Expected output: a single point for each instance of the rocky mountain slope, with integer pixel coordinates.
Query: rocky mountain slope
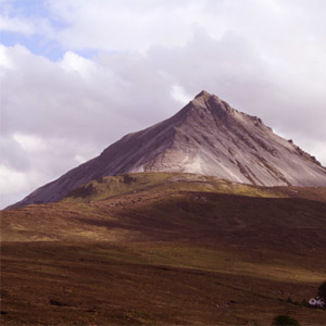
(206, 137)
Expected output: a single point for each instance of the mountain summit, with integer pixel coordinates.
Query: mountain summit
(206, 137)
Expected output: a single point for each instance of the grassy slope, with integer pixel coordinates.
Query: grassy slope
(165, 249)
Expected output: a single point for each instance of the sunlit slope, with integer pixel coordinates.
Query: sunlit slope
(158, 206)
(131, 183)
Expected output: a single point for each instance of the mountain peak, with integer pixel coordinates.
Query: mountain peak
(210, 103)
(203, 94)
(206, 137)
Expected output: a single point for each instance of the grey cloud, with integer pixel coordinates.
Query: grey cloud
(234, 69)
(13, 155)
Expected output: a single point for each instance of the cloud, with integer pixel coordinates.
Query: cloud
(124, 25)
(16, 25)
(148, 58)
(57, 114)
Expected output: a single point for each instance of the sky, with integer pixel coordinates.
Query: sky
(77, 75)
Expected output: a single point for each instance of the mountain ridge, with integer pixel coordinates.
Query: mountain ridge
(206, 137)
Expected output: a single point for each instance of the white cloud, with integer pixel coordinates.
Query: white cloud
(179, 94)
(15, 184)
(16, 25)
(73, 62)
(10, 180)
(125, 25)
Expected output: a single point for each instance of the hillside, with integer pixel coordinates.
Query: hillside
(206, 137)
(165, 248)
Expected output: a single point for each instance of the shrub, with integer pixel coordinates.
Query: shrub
(285, 320)
(322, 291)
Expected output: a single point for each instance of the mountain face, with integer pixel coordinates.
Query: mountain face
(206, 137)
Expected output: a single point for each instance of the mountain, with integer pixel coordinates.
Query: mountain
(206, 137)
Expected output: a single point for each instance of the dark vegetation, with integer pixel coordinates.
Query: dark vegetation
(285, 320)
(83, 192)
(162, 249)
(322, 291)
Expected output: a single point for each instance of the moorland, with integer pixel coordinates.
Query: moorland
(165, 248)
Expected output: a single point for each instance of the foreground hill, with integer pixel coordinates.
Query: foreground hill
(165, 248)
(158, 198)
(206, 137)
